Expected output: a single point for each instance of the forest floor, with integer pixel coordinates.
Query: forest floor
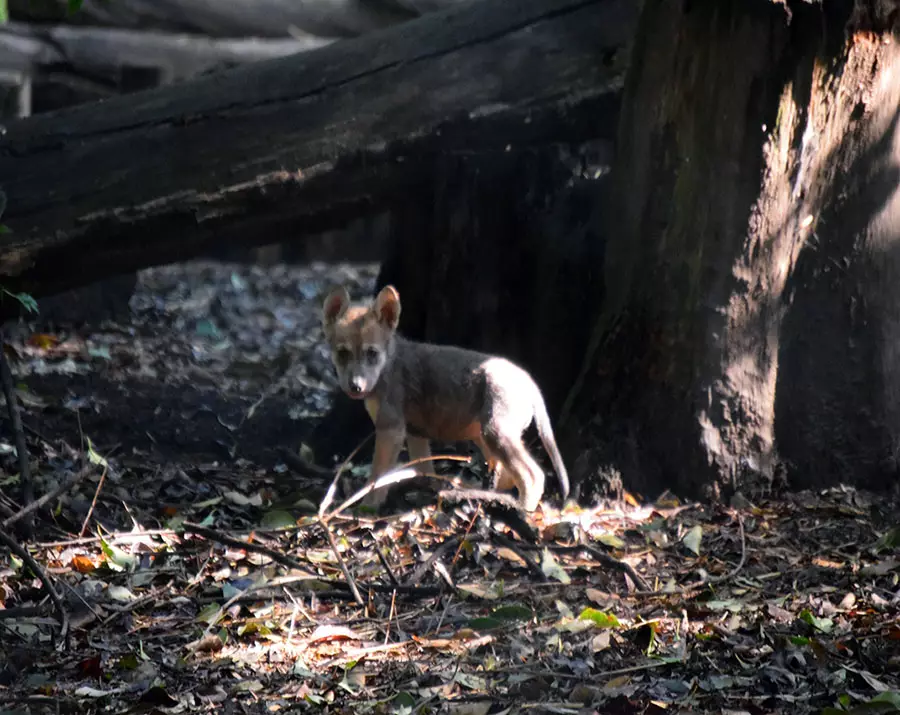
(195, 575)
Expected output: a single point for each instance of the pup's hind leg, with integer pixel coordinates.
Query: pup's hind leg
(515, 467)
(493, 465)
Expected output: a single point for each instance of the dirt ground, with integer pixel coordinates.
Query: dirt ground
(195, 576)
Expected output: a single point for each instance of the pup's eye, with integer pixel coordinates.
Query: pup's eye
(343, 354)
(371, 355)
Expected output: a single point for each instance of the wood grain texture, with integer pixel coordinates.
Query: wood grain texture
(299, 144)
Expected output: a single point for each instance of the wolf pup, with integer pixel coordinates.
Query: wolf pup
(417, 391)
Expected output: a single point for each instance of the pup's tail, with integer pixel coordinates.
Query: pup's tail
(545, 431)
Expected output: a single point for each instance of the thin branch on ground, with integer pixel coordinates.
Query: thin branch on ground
(602, 557)
(15, 421)
(20, 612)
(423, 568)
(384, 564)
(716, 581)
(30, 561)
(228, 604)
(622, 566)
(277, 556)
(397, 475)
(6, 511)
(328, 499)
(537, 672)
(351, 582)
(90, 513)
(63, 487)
(533, 567)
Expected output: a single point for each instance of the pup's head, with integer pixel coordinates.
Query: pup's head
(361, 337)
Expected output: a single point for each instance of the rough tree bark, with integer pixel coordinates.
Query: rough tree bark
(753, 277)
(301, 144)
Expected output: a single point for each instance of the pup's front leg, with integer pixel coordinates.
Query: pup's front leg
(388, 442)
(420, 448)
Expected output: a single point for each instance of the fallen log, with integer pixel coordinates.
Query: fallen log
(232, 18)
(24, 47)
(302, 144)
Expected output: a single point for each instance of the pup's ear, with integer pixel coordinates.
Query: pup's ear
(387, 307)
(335, 305)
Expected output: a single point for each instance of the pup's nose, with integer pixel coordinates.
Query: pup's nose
(356, 385)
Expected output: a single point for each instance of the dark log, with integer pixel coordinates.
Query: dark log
(300, 144)
(25, 47)
(751, 320)
(228, 18)
(362, 241)
(15, 94)
(92, 304)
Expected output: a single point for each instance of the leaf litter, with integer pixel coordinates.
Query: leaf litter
(206, 580)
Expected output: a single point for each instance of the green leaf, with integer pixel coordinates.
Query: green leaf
(513, 612)
(611, 540)
(75, 6)
(278, 519)
(691, 540)
(404, 700)
(251, 627)
(3, 227)
(128, 661)
(486, 623)
(888, 697)
(822, 624)
(886, 702)
(889, 540)
(93, 457)
(601, 619)
(551, 568)
(4, 12)
(27, 301)
(209, 613)
(117, 559)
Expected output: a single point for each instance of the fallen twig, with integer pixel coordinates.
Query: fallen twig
(357, 596)
(90, 513)
(602, 557)
(537, 672)
(6, 511)
(15, 420)
(328, 499)
(30, 561)
(497, 505)
(402, 473)
(532, 566)
(450, 544)
(622, 566)
(276, 556)
(384, 563)
(228, 604)
(20, 612)
(716, 581)
(49, 701)
(740, 564)
(303, 466)
(48, 497)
